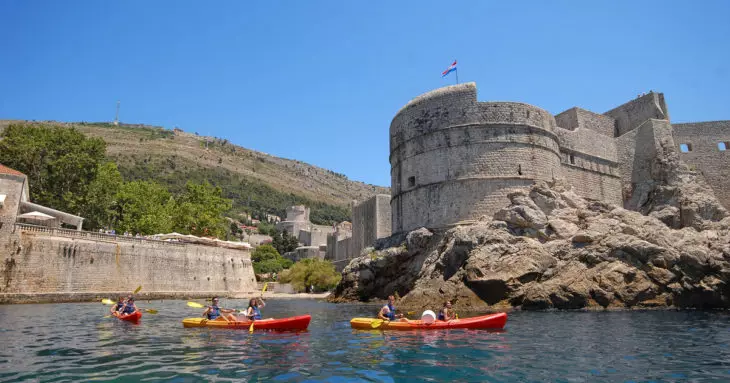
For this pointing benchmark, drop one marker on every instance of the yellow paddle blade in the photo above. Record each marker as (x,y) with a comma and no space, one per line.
(266,284)
(108,301)
(250,329)
(376,323)
(410,313)
(151,311)
(137,289)
(195,305)
(108,316)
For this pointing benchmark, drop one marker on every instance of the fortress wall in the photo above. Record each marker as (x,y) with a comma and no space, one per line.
(635,112)
(36,263)
(12,186)
(590,183)
(454,159)
(637,150)
(575,118)
(463,201)
(338,247)
(705,155)
(587,142)
(370,221)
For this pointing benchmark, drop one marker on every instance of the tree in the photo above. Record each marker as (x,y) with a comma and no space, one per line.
(266,259)
(311,272)
(200,209)
(144,207)
(100,209)
(266,228)
(60,163)
(284,243)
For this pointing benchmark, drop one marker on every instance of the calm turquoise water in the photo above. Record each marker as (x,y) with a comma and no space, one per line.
(72,342)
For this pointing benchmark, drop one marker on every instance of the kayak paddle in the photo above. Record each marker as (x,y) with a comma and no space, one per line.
(250,329)
(195,305)
(137,289)
(151,311)
(108,301)
(377,323)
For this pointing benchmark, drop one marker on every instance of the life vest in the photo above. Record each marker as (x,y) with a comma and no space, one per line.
(441,315)
(214,312)
(256,313)
(128,309)
(118,306)
(391,311)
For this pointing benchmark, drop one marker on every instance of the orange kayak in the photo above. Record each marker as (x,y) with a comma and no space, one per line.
(133,317)
(284,324)
(493,321)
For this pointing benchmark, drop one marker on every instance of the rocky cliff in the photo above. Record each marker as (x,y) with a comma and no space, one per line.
(553,249)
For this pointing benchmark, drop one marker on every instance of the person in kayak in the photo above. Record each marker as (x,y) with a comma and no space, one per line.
(216,312)
(118,306)
(253,312)
(446,314)
(388,311)
(129,307)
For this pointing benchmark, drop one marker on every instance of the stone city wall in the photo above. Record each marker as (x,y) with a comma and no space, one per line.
(41,262)
(705,154)
(637,150)
(371,220)
(575,118)
(635,112)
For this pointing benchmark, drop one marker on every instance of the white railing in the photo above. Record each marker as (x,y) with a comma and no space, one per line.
(89,235)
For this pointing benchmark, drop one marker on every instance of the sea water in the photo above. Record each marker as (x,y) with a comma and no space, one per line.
(73,342)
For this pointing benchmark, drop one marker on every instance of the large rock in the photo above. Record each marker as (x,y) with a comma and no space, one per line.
(552,249)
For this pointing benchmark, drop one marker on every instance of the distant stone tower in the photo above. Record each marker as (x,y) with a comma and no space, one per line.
(454,159)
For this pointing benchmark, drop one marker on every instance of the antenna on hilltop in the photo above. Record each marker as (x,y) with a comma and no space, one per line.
(116,118)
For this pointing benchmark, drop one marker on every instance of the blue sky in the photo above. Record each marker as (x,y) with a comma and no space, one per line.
(320,81)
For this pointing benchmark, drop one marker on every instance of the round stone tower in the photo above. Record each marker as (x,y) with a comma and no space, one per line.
(454,159)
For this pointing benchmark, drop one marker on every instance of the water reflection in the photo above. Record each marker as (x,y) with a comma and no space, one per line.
(42,342)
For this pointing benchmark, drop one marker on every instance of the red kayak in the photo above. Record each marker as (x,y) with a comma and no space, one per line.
(286,324)
(493,321)
(133,317)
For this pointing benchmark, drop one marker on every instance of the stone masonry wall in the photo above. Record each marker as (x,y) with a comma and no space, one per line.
(12,186)
(637,150)
(575,118)
(447,151)
(705,155)
(632,114)
(370,221)
(36,263)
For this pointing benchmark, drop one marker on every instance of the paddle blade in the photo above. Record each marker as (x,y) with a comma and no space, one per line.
(108,301)
(195,305)
(250,329)
(266,284)
(410,313)
(151,311)
(137,289)
(108,316)
(376,323)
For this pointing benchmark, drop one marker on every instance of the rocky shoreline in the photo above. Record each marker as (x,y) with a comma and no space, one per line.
(551,249)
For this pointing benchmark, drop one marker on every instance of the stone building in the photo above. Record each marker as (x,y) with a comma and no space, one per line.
(454,159)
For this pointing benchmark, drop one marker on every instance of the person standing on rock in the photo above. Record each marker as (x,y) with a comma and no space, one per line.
(388,311)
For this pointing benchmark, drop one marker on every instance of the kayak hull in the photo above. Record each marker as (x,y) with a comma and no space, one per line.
(133,317)
(493,321)
(297,323)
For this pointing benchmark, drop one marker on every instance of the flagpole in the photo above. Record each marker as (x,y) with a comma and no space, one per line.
(456,71)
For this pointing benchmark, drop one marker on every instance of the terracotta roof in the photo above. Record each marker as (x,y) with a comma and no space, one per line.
(6,170)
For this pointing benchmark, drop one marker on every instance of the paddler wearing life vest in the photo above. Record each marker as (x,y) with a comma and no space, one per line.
(446,314)
(253,312)
(129,307)
(388,311)
(118,306)
(216,312)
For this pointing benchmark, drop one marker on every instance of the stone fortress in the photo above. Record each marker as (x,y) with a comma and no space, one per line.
(454,159)
(42,262)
